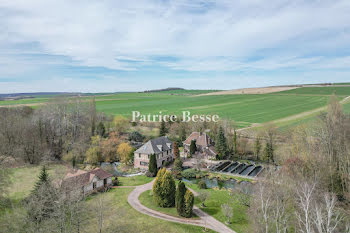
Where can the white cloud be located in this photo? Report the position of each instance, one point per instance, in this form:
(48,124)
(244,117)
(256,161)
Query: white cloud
(203,35)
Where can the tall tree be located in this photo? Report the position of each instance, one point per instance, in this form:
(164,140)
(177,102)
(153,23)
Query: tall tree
(43,178)
(183,133)
(269,152)
(180,198)
(101,130)
(221,144)
(162,130)
(93,115)
(152,166)
(124,150)
(176,150)
(193,147)
(257,147)
(235,146)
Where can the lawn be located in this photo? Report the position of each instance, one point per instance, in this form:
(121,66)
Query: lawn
(146,199)
(226,177)
(121,217)
(239,220)
(23,179)
(134,180)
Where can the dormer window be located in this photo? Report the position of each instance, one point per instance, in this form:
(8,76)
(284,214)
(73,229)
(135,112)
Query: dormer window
(160,147)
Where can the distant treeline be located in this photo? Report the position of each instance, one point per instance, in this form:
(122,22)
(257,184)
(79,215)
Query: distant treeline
(166,89)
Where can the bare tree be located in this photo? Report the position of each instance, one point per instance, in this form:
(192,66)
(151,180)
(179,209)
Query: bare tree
(203,196)
(227,211)
(325,216)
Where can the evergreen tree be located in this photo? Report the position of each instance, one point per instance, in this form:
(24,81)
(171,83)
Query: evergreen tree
(101,129)
(157,186)
(235,151)
(152,166)
(183,133)
(168,190)
(162,130)
(180,198)
(221,144)
(257,147)
(43,178)
(193,147)
(176,151)
(189,199)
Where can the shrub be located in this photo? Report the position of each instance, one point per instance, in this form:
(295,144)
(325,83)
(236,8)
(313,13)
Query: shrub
(189,173)
(115,181)
(136,136)
(189,199)
(149,174)
(178,164)
(177,174)
(202,185)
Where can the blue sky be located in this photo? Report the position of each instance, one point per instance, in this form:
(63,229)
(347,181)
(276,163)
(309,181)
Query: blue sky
(111,45)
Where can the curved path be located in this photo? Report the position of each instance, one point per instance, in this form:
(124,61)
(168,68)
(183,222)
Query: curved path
(205,219)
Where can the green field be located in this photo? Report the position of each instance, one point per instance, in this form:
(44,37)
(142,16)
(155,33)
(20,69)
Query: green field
(329,90)
(185,92)
(244,109)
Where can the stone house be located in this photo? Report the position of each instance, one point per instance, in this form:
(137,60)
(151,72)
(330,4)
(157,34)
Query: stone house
(162,147)
(85,182)
(204,144)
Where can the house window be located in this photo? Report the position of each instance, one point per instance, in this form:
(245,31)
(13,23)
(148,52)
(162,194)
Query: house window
(148,156)
(167,152)
(139,155)
(94,185)
(143,163)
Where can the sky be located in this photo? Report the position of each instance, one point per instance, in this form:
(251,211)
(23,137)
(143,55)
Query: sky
(135,45)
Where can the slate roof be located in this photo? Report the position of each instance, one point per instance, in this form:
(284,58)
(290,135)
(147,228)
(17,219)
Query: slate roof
(156,146)
(202,139)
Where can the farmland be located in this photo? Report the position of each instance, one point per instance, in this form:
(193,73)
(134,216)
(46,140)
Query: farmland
(244,109)
(328,90)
